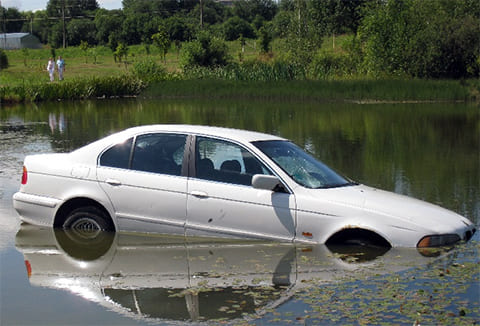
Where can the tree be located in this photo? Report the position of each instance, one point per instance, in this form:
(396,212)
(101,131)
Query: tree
(249,9)
(40,27)
(265,38)
(3,60)
(13,20)
(84,47)
(236,26)
(180,28)
(79,30)
(206,51)
(55,36)
(60,12)
(162,41)
(121,52)
(71,8)
(422,38)
(107,23)
(302,37)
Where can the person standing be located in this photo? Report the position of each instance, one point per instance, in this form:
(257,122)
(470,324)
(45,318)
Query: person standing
(51,69)
(61,67)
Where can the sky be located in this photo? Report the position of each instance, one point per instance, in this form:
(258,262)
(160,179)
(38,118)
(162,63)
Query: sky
(32,5)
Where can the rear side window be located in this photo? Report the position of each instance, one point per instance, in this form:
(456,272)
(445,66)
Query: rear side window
(159,153)
(117,156)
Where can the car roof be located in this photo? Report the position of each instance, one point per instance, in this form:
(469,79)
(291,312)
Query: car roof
(243,136)
(228,133)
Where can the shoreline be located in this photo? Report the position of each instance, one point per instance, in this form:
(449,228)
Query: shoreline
(358,91)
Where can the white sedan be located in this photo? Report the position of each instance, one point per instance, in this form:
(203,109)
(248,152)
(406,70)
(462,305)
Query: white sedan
(209,181)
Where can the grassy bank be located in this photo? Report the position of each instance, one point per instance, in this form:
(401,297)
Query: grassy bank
(95,74)
(362,91)
(79,88)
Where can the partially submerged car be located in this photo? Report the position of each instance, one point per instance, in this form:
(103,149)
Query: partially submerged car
(210,181)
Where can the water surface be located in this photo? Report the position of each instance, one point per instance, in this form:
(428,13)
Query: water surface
(428,151)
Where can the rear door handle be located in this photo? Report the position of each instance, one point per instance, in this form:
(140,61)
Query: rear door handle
(199,194)
(113,182)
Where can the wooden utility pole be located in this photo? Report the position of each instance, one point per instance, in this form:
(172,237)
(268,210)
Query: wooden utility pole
(201,14)
(4,26)
(63,21)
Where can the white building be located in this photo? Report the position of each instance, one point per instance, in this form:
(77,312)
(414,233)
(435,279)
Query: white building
(14,41)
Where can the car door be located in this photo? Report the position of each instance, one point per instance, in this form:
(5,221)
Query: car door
(222,202)
(143,179)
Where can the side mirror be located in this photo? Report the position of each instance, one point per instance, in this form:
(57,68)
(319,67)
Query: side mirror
(266,182)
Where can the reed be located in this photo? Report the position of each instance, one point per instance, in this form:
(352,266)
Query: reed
(78,88)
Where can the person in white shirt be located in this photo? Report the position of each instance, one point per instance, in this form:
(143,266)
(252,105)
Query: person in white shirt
(51,68)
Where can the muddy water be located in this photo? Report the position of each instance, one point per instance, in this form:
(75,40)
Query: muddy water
(429,151)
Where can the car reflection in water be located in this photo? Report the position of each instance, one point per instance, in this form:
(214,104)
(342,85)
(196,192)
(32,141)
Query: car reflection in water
(170,278)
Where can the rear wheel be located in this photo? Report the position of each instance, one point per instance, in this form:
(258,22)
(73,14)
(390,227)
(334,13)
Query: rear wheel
(88,222)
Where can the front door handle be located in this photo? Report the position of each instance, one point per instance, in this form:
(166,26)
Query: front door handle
(113,182)
(199,194)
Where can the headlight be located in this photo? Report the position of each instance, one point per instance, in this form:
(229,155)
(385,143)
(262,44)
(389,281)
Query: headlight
(438,240)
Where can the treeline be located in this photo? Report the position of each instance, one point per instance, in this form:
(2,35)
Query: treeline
(411,38)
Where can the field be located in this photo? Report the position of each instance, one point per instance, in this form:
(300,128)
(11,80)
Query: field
(95,73)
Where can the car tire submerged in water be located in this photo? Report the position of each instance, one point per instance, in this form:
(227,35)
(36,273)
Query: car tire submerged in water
(88,221)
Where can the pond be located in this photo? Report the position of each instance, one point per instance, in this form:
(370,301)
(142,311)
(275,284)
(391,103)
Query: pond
(427,151)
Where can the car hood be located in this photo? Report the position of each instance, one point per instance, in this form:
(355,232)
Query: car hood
(418,212)
(365,206)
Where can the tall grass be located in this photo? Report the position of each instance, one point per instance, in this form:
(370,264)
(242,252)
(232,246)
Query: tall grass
(79,88)
(253,70)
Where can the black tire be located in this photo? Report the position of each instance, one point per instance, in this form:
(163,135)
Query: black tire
(87,222)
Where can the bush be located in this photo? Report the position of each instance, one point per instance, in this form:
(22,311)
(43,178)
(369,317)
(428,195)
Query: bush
(3,60)
(206,51)
(327,65)
(149,71)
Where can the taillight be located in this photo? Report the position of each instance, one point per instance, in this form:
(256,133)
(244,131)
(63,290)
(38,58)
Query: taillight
(24,175)
(29,268)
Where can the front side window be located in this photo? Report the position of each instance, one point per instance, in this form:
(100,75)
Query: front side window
(300,166)
(159,153)
(223,161)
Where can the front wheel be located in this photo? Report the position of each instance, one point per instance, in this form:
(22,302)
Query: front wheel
(88,222)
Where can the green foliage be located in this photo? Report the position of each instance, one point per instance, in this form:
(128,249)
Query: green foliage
(79,30)
(11,20)
(3,60)
(249,71)
(414,38)
(236,26)
(162,41)
(265,39)
(108,24)
(149,71)
(121,52)
(421,38)
(80,88)
(180,28)
(84,47)
(206,51)
(251,9)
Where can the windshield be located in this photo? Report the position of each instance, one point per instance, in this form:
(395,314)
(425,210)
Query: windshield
(300,166)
